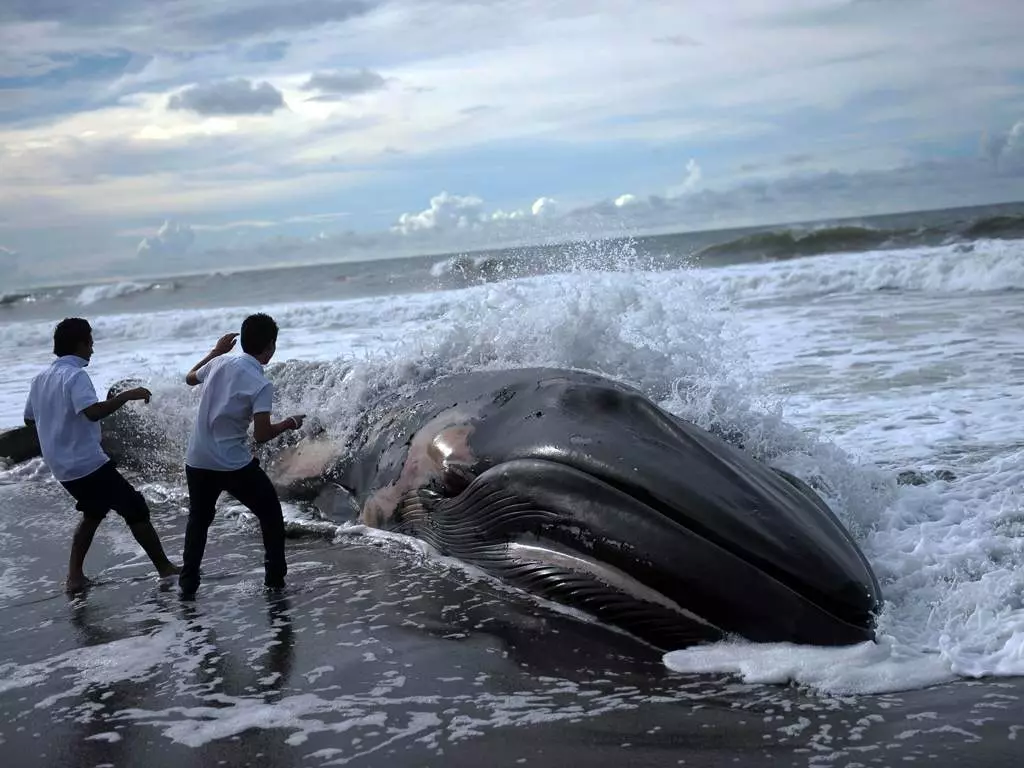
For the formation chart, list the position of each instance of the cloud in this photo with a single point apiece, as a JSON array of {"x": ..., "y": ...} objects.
[
  {"x": 172, "y": 240},
  {"x": 69, "y": 12},
  {"x": 503, "y": 216},
  {"x": 466, "y": 215},
  {"x": 544, "y": 207},
  {"x": 446, "y": 212},
  {"x": 187, "y": 19},
  {"x": 345, "y": 83},
  {"x": 798, "y": 158},
  {"x": 84, "y": 145},
  {"x": 229, "y": 97},
  {"x": 267, "y": 51},
  {"x": 691, "y": 182},
  {"x": 312, "y": 218},
  {"x": 250, "y": 19},
  {"x": 678, "y": 41},
  {"x": 1006, "y": 151},
  {"x": 477, "y": 109},
  {"x": 612, "y": 208},
  {"x": 804, "y": 197}
]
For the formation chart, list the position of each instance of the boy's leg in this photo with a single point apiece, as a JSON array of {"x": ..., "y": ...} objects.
[
  {"x": 149, "y": 540},
  {"x": 204, "y": 486},
  {"x": 251, "y": 486},
  {"x": 132, "y": 506},
  {"x": 88, "y": 493},
  {"x": 80, "y": 544}
]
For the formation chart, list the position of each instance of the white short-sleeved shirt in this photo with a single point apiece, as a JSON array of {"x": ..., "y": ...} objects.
[
  {"x": 234, "y": 388},
  {"x": 69, "y": 440}
]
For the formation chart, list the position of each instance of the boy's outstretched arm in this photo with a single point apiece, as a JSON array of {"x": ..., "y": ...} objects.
[
  {"x": 224, "y": 345},
  {"x": 263, "y": 430},
  {"x": 104, "y": 408}
]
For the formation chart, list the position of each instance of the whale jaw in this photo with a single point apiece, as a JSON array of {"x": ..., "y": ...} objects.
[{"x": 564, "y": 535}]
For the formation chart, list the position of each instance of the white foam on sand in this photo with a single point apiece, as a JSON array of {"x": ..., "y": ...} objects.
[
  {"x": 178, "y": 660},
  {"x": 883, "y": 667},
  {"x": 130, "y": 658}
]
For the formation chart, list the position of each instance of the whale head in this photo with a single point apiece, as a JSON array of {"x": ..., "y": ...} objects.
[{"x": 581, "y": 490}]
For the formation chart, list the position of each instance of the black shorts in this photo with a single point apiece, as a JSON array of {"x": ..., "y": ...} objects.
[{"x": 105, "y": 490}]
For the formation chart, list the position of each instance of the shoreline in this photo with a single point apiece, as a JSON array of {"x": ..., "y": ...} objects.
[{"x": 373, "y": 654}]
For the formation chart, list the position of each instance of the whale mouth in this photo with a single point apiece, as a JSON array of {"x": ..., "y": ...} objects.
[
  {"x": 567, "y": 535},
  {"x": 848, "y": 593},
  {"x": 516, "y": 538}
]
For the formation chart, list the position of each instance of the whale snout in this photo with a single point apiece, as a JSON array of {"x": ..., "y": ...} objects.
[
  {"x": 564, "y": 533},
  {"x": 748, "y": 550}
]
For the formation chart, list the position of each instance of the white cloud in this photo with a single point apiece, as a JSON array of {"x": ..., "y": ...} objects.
[
  {"x": 230, "y": 97},
  {"x": 464, "y": 215},
  {"x": 805, "y": 197},
  {"x": 693, "y": 177},
  {"x": 1007, "y": 150},
  {"x": 312, "y": 218},
  {"x": 508, "y": 215},
  {"x": 544, "y": 206},
  {"x": 172, "y": 240},
  {"x": 629, "y": 200},
  {"x": 446, "y": 212}
]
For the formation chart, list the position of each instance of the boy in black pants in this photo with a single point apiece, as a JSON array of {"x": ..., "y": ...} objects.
[
  {"x": 63, "y": 407},
  {"x": 235, "y": 394}
]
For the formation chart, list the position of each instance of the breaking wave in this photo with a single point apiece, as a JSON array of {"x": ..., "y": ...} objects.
[
  {"x": 795, "y": 242},
  {"x": 104, "y": 292}
]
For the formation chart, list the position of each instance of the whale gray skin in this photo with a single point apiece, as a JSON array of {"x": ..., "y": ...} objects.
[{"x": 581, "y": 490}]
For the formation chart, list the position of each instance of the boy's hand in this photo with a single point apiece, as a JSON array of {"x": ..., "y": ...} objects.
[
  {"x": 296, "y": 421},
  {"x": 138, "y": 393},
  {"x": 225, "y": 344}
]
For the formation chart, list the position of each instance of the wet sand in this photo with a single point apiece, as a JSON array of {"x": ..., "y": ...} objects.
[{"x": 377, "y": 656}]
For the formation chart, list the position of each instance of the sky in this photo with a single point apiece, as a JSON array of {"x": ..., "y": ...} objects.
[{"x": 164, "y": 136}]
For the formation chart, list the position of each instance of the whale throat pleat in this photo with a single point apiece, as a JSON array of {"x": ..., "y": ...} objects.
[{"x": 502, "y": 534}]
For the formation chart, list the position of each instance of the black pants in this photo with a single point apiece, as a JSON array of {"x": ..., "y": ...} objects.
[
  {"x": 104, "y": 490},
  {"x": 251, "y": 486}
]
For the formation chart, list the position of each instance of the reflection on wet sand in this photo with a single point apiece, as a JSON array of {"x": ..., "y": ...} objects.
[{"x": 376, "y": 655}]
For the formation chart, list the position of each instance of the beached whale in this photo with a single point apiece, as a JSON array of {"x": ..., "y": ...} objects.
[{"x": 579, "y": 489}]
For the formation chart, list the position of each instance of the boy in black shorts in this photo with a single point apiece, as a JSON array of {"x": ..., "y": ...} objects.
[{"x": 63, "y": 406}]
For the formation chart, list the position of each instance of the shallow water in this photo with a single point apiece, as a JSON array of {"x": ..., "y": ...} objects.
[{"x": 376, "y": 652}]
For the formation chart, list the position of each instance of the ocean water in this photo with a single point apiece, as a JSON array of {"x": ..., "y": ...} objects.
[{"x": 889, "y": 378}]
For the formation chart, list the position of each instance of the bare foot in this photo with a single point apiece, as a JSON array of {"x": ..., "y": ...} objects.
[
  {"x": 169, "y": 570},
  {"x": 75, "y": 584}
]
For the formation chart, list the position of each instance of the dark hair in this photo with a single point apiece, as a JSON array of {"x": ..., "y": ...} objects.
[
  {"x": 259, "y": 331},
  {"x": 69, "y": 334}
]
